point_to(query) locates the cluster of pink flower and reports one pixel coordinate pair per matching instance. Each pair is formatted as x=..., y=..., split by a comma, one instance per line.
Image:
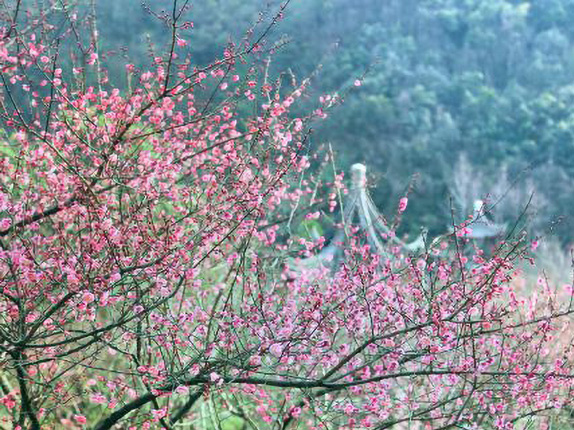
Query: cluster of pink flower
x=140, y=269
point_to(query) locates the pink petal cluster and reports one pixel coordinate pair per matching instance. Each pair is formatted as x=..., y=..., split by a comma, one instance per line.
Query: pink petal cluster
x=146, y=263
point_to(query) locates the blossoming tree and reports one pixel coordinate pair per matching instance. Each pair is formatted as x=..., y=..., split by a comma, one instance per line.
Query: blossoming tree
x=143, y=275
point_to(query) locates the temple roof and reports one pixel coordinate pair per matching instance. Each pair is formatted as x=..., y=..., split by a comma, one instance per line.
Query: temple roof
x=359, y=210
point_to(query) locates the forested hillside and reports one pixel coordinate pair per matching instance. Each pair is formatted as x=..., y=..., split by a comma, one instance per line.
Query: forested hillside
x=473, y=96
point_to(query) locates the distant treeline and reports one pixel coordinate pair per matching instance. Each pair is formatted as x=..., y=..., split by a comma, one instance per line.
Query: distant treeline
x=475, y=97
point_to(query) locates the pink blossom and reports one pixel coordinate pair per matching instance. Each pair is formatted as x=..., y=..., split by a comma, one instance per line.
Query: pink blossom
x=8, y=401
x=98, y=398
x=276, y=349
x=182, y=389
x=296, y=412
x=159, y=413
x=93, y=57
x=312, y=215
x=215, y=377
x=5, y=223
x=88, y=297
x=403, y=202
x=80, y=419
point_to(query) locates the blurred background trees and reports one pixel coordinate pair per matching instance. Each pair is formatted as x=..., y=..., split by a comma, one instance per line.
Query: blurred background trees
x=489, y=83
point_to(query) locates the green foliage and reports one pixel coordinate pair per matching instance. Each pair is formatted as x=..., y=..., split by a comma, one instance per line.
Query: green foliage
x=310, y=229
x=491, y=79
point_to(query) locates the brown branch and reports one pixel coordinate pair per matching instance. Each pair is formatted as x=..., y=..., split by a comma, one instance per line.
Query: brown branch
x=27, y=407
